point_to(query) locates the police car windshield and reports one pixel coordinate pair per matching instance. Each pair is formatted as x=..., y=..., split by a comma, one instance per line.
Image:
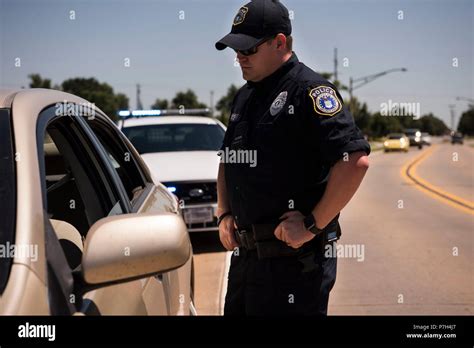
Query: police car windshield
x=175, y=137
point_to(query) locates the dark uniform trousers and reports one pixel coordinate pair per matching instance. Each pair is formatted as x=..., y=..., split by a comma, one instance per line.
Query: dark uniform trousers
x=278, y=286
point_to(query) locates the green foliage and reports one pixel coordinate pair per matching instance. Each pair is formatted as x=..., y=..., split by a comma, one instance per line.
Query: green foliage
x=433, y=125
x=225, y=103
x=160, y=104
x=361, y=115
x=38, y=82
x=101, y=94
x=380, y=126
x=187, y=99
x=466, y=123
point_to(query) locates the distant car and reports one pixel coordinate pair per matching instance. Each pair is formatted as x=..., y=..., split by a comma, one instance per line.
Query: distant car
x=457, y=138
x=414, y=135
x=181, y=152
x=90, y=231
x=426, y=138
x=396, y=142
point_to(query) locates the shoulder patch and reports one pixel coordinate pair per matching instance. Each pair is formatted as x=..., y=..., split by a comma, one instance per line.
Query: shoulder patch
x=325, y=101
x=240, y=16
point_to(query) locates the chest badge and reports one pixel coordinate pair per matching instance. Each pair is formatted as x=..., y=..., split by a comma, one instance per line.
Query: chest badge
x=234, y=117
x=325, y=101
x=278, y=103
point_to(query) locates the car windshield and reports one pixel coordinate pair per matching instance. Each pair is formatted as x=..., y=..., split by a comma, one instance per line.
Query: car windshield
x=175, y=137
x=395, y=136
x=410, y=131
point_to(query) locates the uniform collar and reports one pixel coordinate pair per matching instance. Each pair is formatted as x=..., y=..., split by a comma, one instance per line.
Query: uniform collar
x=272, y=80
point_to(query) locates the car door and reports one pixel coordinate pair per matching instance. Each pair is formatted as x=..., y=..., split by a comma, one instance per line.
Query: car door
x=81, y=188
x=170, y=292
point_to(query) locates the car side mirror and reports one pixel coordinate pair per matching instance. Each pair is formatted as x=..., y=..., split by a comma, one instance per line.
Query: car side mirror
x=132, y=246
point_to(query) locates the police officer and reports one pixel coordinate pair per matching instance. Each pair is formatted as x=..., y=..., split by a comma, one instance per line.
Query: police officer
x=281, y=214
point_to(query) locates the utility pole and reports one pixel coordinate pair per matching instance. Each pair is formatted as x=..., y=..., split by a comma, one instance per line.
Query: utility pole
x=451, y=108
x=335, y=64
x=212, y=104
x=139, y=102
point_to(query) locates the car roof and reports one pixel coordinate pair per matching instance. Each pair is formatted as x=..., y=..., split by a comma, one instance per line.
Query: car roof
x=147, y=121
x=34, y=98
x=6, y=96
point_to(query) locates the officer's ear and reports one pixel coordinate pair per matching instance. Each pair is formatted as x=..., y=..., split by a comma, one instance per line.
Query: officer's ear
x=281, y=41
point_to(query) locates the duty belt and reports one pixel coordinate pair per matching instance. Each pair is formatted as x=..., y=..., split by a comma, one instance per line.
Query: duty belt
x=262, y=238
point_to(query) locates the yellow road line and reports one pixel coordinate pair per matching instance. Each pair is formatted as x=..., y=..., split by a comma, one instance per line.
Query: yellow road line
x=408, y=172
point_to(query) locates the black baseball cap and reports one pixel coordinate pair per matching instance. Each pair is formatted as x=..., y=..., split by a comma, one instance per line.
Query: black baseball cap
x=256, y=21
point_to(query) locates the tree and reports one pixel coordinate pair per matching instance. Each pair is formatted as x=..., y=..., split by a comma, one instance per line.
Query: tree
x=160, y=104
x=382, y=125
x=224, y=104
x=122, y=101
x=188, y=100
x=466, y=123
x=361, y=115
x=38, y=82
x=432, y=125
x=101, y=94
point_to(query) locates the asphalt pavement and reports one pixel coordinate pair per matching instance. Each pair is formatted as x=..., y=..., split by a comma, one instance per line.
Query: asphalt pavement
x=407, y=240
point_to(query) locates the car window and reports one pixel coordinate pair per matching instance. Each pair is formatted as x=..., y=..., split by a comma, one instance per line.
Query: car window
x=120, y=157
x=175, y=137
x=78, y=188
x=7, y=194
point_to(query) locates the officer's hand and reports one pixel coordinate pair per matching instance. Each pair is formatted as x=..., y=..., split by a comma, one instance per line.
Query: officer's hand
x=226, y=233
x=292, y=230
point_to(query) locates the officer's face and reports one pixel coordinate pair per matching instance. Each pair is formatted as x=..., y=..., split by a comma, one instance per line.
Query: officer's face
x=261, y=64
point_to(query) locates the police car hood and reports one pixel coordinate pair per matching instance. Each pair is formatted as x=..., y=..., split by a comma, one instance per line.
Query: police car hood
x=183, y=165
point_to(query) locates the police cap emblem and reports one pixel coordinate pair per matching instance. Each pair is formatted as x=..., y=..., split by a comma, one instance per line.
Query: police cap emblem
x=240, y=16
x=325, y=101
x=278, y=103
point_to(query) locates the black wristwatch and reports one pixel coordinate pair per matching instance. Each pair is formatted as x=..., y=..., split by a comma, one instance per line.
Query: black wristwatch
x=222, y=217
x=310, y=225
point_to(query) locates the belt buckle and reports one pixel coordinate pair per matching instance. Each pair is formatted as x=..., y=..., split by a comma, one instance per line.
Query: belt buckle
x=331, y=236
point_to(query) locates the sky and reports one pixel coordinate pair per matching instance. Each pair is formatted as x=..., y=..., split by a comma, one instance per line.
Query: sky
x=169, y=45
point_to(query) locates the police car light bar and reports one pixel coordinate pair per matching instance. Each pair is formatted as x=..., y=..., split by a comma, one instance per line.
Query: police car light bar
x=139, y=113
x=145, y=113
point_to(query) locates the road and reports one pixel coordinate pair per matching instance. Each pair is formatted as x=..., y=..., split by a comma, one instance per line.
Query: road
x=415, y=244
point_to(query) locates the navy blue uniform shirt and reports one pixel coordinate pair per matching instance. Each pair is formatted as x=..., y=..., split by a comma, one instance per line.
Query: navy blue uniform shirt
x=296, y=123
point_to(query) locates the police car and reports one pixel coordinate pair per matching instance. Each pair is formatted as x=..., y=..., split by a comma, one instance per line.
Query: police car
x=181, y=152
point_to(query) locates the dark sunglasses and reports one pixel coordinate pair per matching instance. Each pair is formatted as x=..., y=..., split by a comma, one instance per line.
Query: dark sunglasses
x=254, y=49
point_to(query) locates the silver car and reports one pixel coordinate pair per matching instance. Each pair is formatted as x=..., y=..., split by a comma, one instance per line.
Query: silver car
x=84, y=229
